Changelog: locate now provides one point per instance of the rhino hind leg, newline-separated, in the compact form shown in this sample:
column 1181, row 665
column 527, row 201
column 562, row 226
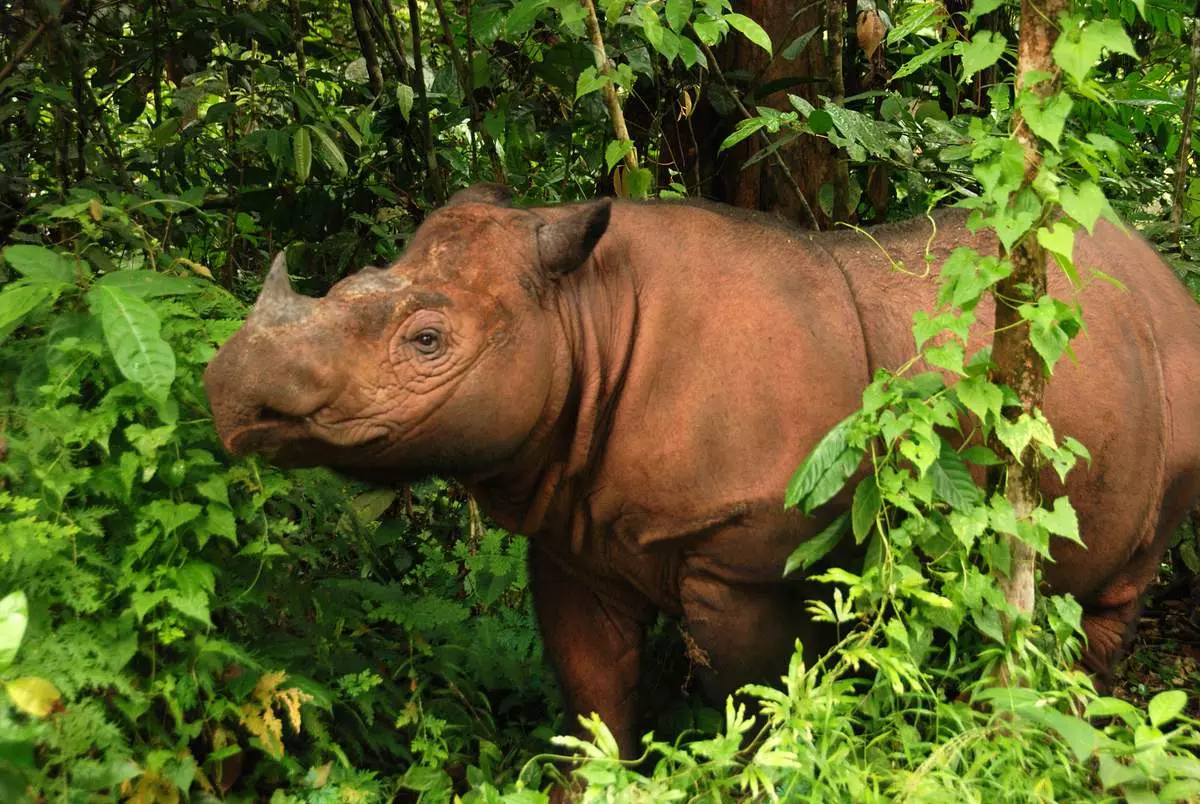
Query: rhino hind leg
column 1109, row 632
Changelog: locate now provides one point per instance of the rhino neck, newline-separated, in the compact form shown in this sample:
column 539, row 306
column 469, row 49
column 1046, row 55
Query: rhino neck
column 596, row 310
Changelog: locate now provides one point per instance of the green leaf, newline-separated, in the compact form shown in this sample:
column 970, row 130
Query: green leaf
column 743, row 130
column 302, row 153
column 404, row 100
column 798, row 44
column 1046, row 117
column 952, row 480
column 651, row 26
column 948, row 356
column 1059, row 240
column 638, row 183
column 1166, row 706
column 147, row 284
column 17, row 301
column 867, row 502
column 131, row 328
column 40, row 265
column 979, row 396
column 616, row 151
column 981, row 52
column 522, row 17
column 816, row 548
column 1085, row 203
column 14, row 617
column 1045, row 332
column 750, row 29
column 1061, row 520
column 925, row 56
column 823, row 458
column 678, row 14
column 589, row 81
column 330, row 151
column 1078, row 50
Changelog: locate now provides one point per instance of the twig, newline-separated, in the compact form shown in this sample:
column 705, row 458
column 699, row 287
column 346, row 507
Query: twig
column 605, row 67
column 1187, row 121
column 397, row 40
column 720, row 76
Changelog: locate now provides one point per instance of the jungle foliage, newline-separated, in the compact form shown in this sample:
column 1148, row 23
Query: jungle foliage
column 177, row 625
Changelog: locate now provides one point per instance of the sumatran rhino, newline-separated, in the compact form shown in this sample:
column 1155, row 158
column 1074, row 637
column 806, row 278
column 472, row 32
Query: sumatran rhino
column 631, row 385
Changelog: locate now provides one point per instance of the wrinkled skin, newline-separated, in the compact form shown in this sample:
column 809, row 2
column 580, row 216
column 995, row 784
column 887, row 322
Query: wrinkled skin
column 632, row 385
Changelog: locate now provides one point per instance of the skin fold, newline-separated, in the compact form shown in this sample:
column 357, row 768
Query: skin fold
column 631, row 386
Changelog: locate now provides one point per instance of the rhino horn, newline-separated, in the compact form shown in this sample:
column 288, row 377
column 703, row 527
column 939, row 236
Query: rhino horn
column 277, row 302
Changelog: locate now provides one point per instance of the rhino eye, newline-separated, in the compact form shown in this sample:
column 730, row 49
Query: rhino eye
column 428, row 341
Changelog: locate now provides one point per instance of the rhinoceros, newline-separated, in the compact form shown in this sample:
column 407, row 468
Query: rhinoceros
column 631, row 386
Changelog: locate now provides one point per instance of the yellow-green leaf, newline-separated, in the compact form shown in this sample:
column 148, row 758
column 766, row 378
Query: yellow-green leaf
column 32, row 695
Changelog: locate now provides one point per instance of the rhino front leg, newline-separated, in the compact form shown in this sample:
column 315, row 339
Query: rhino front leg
column 594, row 645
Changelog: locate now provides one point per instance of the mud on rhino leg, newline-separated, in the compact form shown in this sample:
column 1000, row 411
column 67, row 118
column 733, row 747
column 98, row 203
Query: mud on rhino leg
column 594, row 646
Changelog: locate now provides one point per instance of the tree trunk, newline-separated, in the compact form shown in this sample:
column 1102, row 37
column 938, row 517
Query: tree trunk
column 1185, row 141
column 1017, row 364
column 362, row 27
column 435, row 173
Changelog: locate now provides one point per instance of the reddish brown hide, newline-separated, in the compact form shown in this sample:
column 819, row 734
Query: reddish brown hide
column 631, row 386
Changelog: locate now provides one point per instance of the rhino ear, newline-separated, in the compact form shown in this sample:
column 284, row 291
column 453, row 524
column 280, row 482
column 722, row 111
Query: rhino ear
column 565, row 244
column 483, row 193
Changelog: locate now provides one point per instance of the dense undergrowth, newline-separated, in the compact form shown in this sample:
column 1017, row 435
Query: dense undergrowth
column 176, row 625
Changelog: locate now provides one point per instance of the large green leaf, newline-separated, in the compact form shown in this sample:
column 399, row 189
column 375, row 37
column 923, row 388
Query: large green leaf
column 147, row 284
column 678, row 13
column 40, row 265
column 952, row 480
column 750, row 29
column 17, row 301
column 302, row 151
column 816, row 548
column 826, row 469
column 330, row 151
column 131, row 328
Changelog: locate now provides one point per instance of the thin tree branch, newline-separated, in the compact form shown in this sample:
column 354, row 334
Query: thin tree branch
column 1187, row 122
column 397, row 40
column 715, row 67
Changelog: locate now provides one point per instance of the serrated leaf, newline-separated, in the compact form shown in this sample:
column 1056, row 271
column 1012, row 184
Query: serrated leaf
column 131, row 328
column 33, row 696
column 589, row 81
column 750, row 29
column 40, row 265
column 820, row 461
column 678, row 13
column 148, row 284
column 949, row 356
column 302, row 153
column 952, row 480
column 1077, row 51
column 816, row 548
column 982, row 52
column 1059, row 240
column 980, row 397
column 330, row 151
column 17, row 301
column 867, row 502
column 1061, row 520
column 14, row 617
column 1166, row 706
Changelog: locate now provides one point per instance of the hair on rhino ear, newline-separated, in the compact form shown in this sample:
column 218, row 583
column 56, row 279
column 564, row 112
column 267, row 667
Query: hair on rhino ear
column 483, row 193
column 565, row 244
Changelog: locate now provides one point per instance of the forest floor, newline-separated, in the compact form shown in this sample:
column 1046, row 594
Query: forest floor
column 1165, row 653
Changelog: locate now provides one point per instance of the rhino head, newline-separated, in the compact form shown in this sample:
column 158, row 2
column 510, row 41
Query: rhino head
column 445, row 362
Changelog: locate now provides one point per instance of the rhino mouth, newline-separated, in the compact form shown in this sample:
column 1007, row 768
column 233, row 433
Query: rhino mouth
column 292, row 440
